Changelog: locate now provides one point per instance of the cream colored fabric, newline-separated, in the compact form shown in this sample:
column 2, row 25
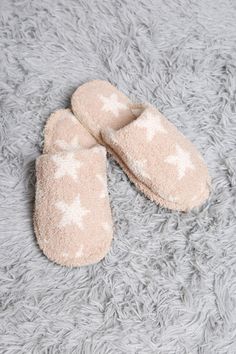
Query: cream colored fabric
column 156, row 156
column 72, row 216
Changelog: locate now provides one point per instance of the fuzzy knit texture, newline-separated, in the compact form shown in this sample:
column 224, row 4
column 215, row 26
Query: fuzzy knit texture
column 157, row 158
column 168, row 284
column 72, row 216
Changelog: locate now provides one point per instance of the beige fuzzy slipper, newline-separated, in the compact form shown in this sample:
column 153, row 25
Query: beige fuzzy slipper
column 72, row 216
column 155, row 155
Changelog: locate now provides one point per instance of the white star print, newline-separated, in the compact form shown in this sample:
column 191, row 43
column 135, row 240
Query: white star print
column 181, row 160
column 66, row 165
column 72, row 213
column 68, row 146
column 104, row 191
column 152, row 123
column 79, row 253
column 111, row 104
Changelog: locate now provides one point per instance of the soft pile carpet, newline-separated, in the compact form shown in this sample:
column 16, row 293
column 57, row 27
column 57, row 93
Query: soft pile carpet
column 168, row 284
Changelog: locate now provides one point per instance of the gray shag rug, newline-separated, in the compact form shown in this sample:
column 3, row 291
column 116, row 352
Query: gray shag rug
column 168, row 284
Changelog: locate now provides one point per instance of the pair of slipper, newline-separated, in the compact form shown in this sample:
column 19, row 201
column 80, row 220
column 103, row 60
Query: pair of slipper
column 72, row 217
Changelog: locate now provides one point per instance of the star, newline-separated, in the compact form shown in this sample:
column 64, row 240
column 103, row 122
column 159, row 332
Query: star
column 152, row 123
column 111, row 104
column 66, row 165
column 181, row 160
column 104, row 192
column 68, row 146
column 72, row 213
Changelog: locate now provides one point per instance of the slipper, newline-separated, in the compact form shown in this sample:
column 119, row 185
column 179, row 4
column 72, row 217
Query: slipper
column 155, row 155
column 72, row 218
